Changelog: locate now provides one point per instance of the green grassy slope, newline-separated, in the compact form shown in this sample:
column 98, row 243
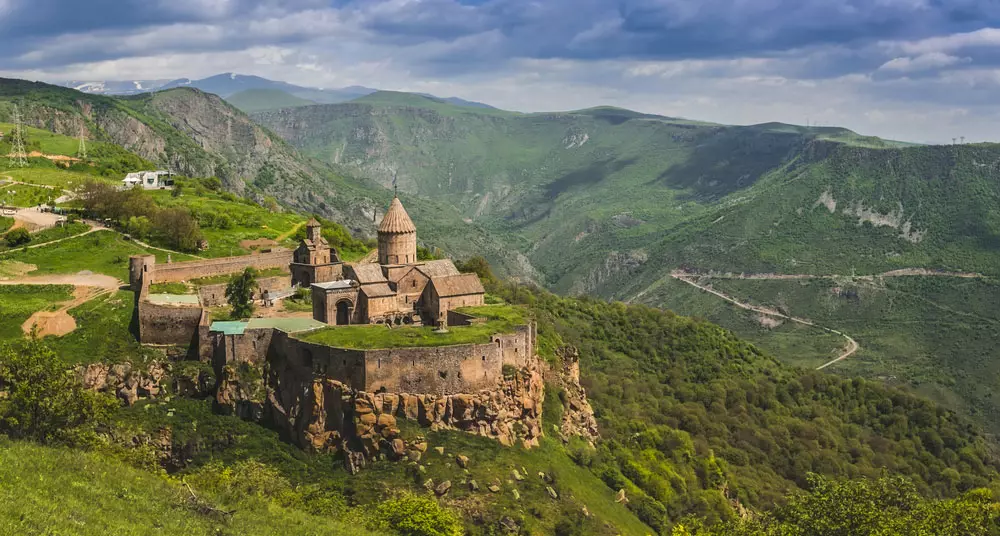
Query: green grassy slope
column 258, row 100
column 48, row 490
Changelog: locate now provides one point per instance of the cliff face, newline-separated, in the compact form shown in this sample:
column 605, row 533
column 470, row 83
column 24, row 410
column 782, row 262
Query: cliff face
column 323, row 414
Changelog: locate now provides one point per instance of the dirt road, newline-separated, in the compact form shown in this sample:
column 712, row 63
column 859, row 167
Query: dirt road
column 82, row 279
column 852, row 345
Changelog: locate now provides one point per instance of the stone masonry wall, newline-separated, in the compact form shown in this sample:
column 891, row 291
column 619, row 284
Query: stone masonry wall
column 215, row 295
column 168, row 324
column 184, row 271
column 442, row 370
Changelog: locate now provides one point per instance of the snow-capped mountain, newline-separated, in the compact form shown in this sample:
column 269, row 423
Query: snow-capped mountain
column 115, row 87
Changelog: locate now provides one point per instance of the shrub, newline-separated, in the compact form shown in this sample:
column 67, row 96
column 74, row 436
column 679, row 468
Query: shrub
column 45, row 401
column 18, row 237
column 410, row 515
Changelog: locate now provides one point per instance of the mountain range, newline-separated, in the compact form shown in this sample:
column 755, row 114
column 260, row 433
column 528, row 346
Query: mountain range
column 612, row 203
column 227, row 85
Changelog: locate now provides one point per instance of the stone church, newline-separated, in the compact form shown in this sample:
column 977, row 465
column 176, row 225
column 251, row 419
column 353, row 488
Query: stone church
column 398, row 289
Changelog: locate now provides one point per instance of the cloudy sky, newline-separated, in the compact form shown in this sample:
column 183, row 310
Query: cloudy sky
column 918, row 70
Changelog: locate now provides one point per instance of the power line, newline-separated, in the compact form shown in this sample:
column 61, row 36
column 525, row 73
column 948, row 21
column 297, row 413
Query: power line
column 17, row 156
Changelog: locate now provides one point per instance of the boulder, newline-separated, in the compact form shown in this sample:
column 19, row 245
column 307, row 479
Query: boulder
column 429, row 484
column 398, row 447
column 473, row 485
column 386, row 420
column 462, row 461
column 440, row 450
column 517, row 476
column 494, row 488
column 552, row 493
column 442, row 488
column 413, row 455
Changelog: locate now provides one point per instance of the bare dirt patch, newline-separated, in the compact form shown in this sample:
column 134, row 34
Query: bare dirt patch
column 257, row 243
column 56, row 323
column 82, row 279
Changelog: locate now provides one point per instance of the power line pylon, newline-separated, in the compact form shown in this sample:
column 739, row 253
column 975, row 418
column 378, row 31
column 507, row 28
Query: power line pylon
column 18, row 157
column 81, row 152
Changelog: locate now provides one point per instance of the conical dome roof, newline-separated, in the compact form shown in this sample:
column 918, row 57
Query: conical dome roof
column 396, row 220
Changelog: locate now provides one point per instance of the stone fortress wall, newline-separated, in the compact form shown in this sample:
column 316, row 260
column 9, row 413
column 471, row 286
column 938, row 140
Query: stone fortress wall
column 184, row 271
column 441, row 370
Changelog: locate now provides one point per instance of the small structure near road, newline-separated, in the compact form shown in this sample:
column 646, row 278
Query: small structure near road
column 149, row 180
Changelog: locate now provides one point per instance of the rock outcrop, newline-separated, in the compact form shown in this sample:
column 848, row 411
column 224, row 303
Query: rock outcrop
column 578, row 416
column 323, row 414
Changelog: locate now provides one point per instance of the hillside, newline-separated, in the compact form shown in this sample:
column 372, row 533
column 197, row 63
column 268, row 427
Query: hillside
column 259, row 100
column 610, row 202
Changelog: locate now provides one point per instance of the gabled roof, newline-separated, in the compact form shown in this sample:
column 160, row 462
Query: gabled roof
column 377, row 290
column 440, row 268
column 368, row 273
column 340, row 284
column 396, row 220
column 457, row 285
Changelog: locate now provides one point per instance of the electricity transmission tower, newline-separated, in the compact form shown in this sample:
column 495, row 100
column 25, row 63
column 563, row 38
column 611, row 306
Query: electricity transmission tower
column 81, row 152
column 962, row 138
column 17, row 156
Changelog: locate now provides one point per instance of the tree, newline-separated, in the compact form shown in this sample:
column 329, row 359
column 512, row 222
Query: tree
column 178, row 228
column 479, row 266
column 239, row 293
column 43, row 400
column 18, row 237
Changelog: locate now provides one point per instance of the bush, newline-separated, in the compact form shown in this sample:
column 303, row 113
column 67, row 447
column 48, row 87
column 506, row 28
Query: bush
column 410, row 515
column 44, row 401
column 18, row 237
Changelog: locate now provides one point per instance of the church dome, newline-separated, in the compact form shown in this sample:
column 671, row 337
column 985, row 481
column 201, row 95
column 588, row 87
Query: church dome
column 396, row 220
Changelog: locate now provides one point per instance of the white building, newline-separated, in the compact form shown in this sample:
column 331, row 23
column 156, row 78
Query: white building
column 150, row 180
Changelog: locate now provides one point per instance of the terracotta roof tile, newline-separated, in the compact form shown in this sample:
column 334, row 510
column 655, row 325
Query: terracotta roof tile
column 457, row 285
column 441, row 268
column 396, row 220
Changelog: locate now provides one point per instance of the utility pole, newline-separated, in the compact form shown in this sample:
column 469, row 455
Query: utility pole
column 18, row 157
column 953, row 141
column 962, row 138
column 81, row 152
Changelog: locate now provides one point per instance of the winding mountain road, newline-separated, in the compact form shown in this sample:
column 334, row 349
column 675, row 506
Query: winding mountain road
column 852, row 345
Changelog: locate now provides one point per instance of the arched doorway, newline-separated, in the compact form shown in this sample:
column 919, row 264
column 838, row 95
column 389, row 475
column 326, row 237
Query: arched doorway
column 343, row 313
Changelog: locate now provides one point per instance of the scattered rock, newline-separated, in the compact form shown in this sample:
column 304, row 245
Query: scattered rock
column 398, row 447
column 462, row 460
column 621, row 498
column 429, row 484
column 442, row 488
column 440, row 450
column 552, row 492
column 421, row 446
column 516, row 494
column 517, row 476
column 494, row 488
column 507, row 524
column 473, row 485
column 413, row 455
column 586, row 513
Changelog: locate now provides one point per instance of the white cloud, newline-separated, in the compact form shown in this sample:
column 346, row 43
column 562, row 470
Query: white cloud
column 923, row 62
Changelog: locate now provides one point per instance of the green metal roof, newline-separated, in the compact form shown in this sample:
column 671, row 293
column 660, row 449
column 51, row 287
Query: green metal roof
column 228, row 327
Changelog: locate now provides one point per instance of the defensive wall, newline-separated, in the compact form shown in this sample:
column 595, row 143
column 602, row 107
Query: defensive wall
column 440, row 370
column 215, row 295
column 145, row 268
column 169, row 324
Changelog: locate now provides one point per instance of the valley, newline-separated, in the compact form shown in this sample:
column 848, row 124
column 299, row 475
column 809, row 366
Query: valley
column 854, row 280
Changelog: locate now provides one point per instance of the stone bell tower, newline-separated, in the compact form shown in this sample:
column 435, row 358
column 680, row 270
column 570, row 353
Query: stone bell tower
column 397, row 236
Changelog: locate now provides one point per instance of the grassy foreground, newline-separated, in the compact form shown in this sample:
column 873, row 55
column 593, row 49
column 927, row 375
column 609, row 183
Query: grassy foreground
column 48, row 490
